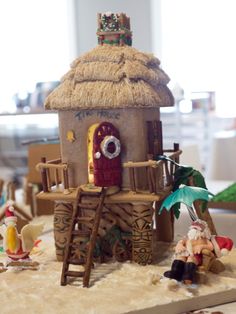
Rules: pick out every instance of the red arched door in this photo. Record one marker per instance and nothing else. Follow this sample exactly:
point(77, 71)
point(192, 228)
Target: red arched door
point(106, 155)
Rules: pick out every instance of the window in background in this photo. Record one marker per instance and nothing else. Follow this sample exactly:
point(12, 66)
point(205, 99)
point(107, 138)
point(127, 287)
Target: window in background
point(198, 48)
point(35, 47)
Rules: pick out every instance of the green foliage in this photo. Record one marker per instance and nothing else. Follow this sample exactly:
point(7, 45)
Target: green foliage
point(227, 195)
point(186, 195)
point(105, 244)
point(182, 176)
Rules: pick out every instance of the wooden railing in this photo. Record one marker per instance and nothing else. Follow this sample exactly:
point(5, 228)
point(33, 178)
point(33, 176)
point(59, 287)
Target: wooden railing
point(58, 171)
point(158, 174)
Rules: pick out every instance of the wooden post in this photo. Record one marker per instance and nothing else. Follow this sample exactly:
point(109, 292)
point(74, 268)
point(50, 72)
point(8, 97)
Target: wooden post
point(158, 141)
point(1, 186)
point(44, 176)
point(142, 234)
point(176, 148)
point(151, 182)
point(154, 134)
point(167, 173)
point(11, 191)
point(154, 178)
point(204, 215)
point(159, 181)
point(49, 183)
point(149, 175)
point(164, 224)
point(150, 137)
point(57, 178)
point(132, 179)
point(66, 181)
point(99, 21)
point(30, 195)
point(122, 19)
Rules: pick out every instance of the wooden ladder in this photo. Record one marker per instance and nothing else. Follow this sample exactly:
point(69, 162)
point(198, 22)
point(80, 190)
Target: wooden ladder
point(79, 220)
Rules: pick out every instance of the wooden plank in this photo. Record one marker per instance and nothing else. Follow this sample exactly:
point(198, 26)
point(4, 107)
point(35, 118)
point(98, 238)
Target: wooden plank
point(150, 137)
point(158, 139)
point(123, 196)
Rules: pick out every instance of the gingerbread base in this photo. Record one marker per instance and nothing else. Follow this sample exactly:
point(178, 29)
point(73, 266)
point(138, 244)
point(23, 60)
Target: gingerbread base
point(115, 287)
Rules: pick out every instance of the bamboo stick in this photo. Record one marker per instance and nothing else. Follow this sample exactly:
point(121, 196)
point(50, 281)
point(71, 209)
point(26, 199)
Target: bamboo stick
point(49, 182)
point(167, 173)
point(66, 181)
point(140, 164)
point(174, 153)
point(41, 165)
point(54, 161)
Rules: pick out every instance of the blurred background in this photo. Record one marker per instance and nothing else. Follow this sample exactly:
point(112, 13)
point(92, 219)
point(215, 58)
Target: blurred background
point(193, 39)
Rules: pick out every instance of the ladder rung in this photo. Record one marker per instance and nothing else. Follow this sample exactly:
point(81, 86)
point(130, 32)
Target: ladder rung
point(84, 219)
point(87, 205)
point(87, 193)
point(71, 273)
point(91, 235)
point(74, 261)
point(80, 233)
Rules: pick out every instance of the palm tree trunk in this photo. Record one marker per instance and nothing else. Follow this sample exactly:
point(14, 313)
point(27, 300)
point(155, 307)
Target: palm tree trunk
point(204, 215)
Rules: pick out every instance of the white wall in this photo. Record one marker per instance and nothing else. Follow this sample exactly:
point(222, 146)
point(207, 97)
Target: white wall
point(86, 21)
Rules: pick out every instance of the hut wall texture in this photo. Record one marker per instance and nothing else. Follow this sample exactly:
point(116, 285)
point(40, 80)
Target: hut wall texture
point(131, 124)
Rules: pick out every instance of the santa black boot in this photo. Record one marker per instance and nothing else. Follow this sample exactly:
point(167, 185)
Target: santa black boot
point(189, 273)
point(177, 269)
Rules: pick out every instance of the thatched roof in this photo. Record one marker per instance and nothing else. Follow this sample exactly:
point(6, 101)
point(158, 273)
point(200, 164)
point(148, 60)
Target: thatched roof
point(112, 77)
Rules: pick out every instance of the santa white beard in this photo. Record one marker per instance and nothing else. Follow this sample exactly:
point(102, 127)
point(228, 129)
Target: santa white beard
point(195, 234)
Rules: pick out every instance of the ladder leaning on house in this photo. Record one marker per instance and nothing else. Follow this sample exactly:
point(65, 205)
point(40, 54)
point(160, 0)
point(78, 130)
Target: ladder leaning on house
point(74, 232)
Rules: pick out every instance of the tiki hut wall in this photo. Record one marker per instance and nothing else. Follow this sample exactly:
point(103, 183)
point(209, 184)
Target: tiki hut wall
point(131, 124)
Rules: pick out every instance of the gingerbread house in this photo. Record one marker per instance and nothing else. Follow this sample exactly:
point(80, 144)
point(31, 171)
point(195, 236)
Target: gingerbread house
point(110, 136)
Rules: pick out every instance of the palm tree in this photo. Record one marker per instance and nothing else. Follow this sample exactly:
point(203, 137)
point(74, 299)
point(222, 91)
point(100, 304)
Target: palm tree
point(186, 195)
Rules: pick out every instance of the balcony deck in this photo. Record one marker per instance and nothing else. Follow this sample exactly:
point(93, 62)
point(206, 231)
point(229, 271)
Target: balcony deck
point(123, 196)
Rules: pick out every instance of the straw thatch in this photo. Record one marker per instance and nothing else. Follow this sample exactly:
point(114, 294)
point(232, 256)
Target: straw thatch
point(112, 77)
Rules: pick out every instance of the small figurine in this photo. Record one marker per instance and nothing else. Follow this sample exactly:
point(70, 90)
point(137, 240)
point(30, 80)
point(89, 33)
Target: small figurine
point(18, 246)
point(188, 251)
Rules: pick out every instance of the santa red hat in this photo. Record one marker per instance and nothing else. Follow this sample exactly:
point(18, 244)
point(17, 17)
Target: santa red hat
point(199, 224)
point(202, 226)
point(222, 245)
point(9, 213)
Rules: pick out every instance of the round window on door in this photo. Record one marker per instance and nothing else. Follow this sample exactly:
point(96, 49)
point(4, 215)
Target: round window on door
point(110, 146)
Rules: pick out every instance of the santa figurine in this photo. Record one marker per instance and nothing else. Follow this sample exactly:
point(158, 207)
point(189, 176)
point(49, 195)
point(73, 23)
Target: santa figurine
point(188, 251)
point(18, 246)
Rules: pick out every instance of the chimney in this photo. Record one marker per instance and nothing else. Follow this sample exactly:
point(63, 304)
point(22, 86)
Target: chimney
point(114, 29)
